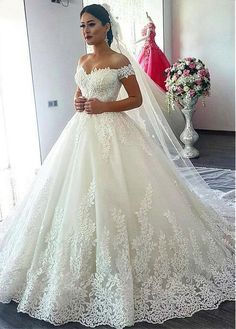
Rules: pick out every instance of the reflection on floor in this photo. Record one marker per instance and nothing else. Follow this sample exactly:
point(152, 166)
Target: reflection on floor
point(216, 151)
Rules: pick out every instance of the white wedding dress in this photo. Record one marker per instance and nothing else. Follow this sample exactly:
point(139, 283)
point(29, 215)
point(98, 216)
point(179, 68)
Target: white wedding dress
point(108, 232)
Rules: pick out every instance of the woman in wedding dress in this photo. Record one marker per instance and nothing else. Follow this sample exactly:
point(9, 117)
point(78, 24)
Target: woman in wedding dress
point(109, 233)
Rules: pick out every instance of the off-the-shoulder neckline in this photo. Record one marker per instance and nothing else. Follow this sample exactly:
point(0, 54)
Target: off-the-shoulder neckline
point(95, 69)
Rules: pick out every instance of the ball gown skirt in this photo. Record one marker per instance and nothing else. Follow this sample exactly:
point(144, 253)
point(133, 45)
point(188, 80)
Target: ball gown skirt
point(108, 234)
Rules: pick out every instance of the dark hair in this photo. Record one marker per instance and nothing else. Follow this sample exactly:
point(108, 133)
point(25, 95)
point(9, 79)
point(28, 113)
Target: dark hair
point(102, 14)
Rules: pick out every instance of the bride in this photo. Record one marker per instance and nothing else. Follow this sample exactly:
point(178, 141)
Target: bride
point(111, 232)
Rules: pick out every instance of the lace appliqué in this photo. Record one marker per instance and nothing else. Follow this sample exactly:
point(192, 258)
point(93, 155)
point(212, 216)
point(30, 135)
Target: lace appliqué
point(101, 83)
point(81, 124)
point(145, 52)
point(117, 275)
point(143, 245)
point(29, 223)
point(150, 26)
point(125, 71)
point(104, 84)
point(119, 126)
point(104, 130)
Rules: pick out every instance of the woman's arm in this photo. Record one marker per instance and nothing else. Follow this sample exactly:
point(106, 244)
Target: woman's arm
point(79, 100)
point(77, 93)
point(133, 100)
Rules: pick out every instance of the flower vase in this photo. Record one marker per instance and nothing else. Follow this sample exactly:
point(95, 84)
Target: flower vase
point(189, 136)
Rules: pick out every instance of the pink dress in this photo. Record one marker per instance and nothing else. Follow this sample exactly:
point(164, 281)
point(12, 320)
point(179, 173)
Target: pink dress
point(152, 59)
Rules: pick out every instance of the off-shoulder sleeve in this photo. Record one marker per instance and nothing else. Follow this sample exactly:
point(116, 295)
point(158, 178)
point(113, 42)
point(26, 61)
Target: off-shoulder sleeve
point(125, 71)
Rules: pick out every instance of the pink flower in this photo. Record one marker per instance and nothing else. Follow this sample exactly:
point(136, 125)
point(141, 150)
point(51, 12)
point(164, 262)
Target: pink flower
point(188, 59)
point(186, 73)
point(198, 82)
point(179, 89)
point(192, 65)
point(202, 73)
point(192, 93)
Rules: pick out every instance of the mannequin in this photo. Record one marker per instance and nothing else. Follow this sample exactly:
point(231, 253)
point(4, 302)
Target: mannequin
point(151, 58)
point(149, 19)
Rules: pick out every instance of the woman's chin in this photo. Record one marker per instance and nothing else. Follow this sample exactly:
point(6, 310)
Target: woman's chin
point(90, 42)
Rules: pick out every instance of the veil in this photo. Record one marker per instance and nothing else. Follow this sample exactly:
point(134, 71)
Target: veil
point(149, 116)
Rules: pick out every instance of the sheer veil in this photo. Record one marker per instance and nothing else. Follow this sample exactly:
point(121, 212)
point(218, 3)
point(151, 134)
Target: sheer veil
point(151, 118)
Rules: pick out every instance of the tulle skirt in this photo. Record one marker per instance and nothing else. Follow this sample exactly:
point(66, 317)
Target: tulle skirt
point(109, 234)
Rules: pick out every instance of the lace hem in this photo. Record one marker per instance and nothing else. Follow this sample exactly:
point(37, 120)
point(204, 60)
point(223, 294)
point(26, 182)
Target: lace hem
point(128, 288)
point(148, 319)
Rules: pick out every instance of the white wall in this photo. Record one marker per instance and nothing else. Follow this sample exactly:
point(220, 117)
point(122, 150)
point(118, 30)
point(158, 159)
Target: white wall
point(19, 157)
point(205, 29)
point(167, 29)
point(55, 46)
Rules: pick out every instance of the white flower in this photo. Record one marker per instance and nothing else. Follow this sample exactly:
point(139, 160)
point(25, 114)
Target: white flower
point(179, 81)
point(186, 88)
point(188, 78)
point(179, 72)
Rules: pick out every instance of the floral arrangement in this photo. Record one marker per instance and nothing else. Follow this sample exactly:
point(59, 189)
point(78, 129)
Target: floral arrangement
point(188, 78)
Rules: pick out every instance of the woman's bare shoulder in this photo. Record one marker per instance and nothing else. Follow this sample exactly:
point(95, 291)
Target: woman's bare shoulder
point(83, 58)
point(119, 60)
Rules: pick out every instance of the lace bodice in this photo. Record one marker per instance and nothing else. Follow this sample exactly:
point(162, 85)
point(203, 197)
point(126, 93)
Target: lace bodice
point(102, 83)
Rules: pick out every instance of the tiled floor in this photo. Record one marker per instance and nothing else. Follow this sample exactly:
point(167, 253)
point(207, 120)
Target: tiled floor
point(217, 149)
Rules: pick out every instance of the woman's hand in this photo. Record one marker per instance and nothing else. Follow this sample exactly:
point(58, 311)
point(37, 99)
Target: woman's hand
point(94, 106)
point(79, 103)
